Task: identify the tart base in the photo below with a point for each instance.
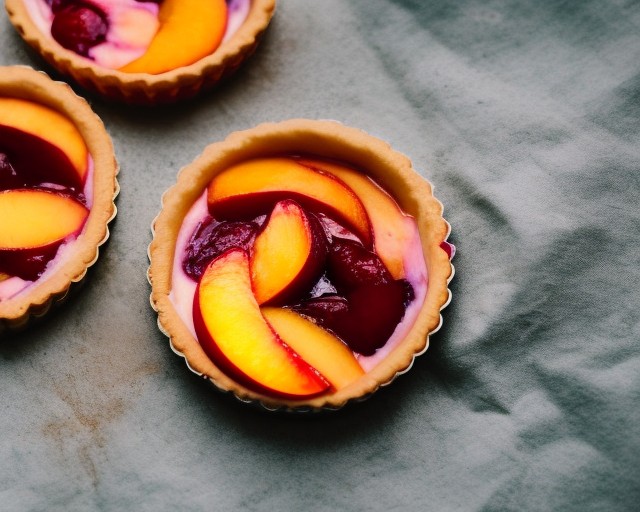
(324, 139)
(36, 300)
(143, 88)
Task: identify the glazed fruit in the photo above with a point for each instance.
(392, 229)
(34, 224)
(108, 31)
(30, 161)
(252, 188)
(350, 265)
(189, 31)
(44, 123)
(234, 332)
(79, 27)
(365, 317)
(288, 255)
(139, 36)
(287, 232)
(212, 238)
(316, 346)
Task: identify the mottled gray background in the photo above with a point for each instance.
(526, 117)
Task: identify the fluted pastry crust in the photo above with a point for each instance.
(325, 139)
(142, 88)
(25, 83)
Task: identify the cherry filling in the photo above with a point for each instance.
(363, 318)
(27, 161)
(78, 26)
(211, 238)
(352, 293)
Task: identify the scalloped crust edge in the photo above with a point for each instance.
(143, 88)
(27, 83)
(327, 139)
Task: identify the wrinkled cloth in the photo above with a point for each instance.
(525, 115)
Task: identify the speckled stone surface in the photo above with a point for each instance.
(526, 117)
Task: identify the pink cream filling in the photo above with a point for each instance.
(132, 26)
(184, 288)
(13, 286)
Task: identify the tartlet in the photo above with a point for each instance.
(141, 87)
(73, 198)
(312, 145)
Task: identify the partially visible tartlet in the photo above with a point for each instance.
(143, 51)
(57, 190)
(300, 265)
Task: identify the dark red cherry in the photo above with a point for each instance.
(374, 312)
(365, 318)
(211, 238)
(79, 27)
(350, 265)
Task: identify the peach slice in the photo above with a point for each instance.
(392, 229)
(251, 188)
(48, 125)
(318, 347)
(34, 218)
(34, 224)
(235, 335)
(288, 254)
(189, 31)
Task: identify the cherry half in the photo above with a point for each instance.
(211, 238)
(365, 317)
(351, 265)
(78, 26)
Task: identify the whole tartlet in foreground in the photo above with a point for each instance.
(57, 187)
(300, 265)
(143, 51)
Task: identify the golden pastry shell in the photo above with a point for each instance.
(26, 83)
(325, 139)
(142, 88)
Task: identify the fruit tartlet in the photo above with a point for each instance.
(143, 51)
(57, 187)
(300, 265)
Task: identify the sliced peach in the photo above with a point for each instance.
(34, 218)
(392, 229)
(252, 188)
(235, 335)
(318, 347)
(189, 30)
(288, 254)
(48, 125)
(34, 224)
